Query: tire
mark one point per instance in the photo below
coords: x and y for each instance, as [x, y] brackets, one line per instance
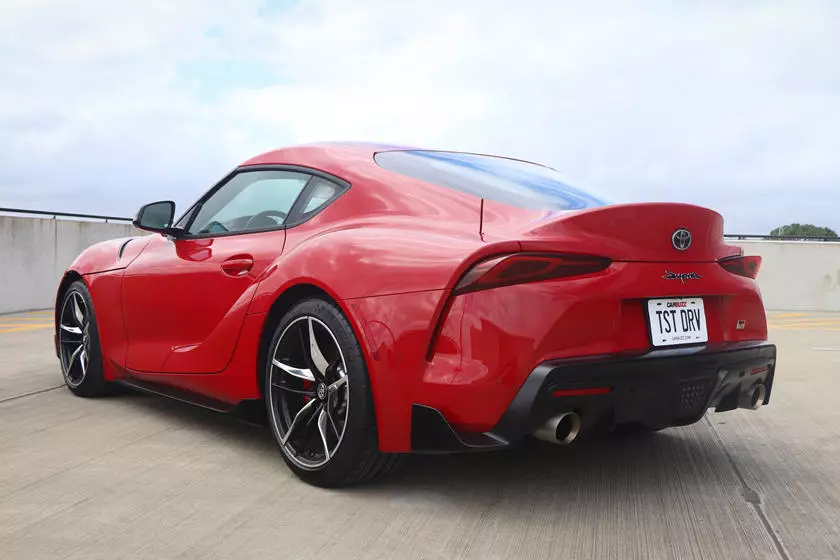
[80, 352]
[345, 451]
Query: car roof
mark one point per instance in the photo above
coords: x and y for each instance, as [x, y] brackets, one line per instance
[302, 153]
[337, 156]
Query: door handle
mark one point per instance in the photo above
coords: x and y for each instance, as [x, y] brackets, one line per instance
[237, 266]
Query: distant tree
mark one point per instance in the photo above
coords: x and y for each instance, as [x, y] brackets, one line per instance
[803, 230]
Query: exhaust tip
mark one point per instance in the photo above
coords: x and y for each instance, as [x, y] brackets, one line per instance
[568, 428]
[754, 398]
[562, 429]
[757, 397]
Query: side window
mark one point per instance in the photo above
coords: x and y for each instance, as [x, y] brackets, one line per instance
[251, 200]
[319, 193]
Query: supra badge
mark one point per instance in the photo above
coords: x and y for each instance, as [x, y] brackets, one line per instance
[681, 276]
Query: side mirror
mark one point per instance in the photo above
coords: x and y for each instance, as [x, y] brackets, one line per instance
[157, 216]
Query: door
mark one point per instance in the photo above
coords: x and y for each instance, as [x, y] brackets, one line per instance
[185, 299]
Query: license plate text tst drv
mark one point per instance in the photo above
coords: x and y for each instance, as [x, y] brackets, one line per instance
[677, 321]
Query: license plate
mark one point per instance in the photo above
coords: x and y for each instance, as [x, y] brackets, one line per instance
[677, 321]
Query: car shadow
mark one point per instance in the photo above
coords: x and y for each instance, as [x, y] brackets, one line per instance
[610, 467]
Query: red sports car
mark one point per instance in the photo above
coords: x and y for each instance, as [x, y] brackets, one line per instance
[379, 300]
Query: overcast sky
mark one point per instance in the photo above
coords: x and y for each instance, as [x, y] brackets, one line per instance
[732, 104]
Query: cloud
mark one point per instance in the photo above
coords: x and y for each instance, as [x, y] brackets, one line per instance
[732, 105]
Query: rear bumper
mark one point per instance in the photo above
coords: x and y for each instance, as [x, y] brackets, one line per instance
[660, 388]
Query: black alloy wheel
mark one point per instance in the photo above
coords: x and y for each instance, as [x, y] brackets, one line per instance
[318, 398]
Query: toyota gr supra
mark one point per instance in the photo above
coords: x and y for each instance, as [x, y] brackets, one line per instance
[379, 301]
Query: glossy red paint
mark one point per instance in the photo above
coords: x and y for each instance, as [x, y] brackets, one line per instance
[106, 255]
[183, 311]
[397, 330]
[634, 232]
[191, 312]
[237, 382]
[491, 340]
[106, 294]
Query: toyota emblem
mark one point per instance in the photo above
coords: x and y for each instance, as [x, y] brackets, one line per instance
[681, 239]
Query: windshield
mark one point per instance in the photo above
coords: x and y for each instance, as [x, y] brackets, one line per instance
[513, 182]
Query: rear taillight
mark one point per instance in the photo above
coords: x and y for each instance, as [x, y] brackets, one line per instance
[519, 268]
[742, 266]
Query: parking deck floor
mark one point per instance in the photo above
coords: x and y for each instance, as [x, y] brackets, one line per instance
[135, 476]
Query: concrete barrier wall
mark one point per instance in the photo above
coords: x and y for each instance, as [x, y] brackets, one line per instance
[35, 252]
[797, 275]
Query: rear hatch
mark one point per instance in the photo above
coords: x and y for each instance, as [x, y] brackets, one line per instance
[652, 232]
[661, 273]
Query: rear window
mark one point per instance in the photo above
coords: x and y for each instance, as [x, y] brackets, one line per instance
[517, 183]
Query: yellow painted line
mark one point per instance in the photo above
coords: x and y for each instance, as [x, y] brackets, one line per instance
[804, 320]
[810, 319]
[809, 324]
[4, 325]
[778, 326]
[13, 318]
[806, 323]
[24, 328]
[783, 315]
[805, 328]
[47, 312]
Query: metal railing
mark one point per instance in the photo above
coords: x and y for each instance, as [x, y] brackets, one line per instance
[55, 215]
[781, 237]
[742, 236]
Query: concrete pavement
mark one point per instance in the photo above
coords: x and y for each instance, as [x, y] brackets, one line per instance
[133, 476]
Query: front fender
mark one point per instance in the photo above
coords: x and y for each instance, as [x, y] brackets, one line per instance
[113, 254]
[100, 267]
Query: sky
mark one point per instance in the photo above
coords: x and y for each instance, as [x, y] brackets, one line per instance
[730, 104]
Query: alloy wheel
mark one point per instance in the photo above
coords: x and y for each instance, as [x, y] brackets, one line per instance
[309, 393]
[74, 339]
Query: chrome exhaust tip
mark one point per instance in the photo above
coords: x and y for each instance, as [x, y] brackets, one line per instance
[562, 429]
[753, 399]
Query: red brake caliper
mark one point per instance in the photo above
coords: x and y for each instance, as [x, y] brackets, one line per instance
[307, 385]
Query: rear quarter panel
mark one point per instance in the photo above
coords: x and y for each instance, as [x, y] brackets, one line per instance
[491, 340]
[372, 260]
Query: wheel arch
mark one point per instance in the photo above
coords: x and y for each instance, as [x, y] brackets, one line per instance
[283, 302]
[69, 277]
